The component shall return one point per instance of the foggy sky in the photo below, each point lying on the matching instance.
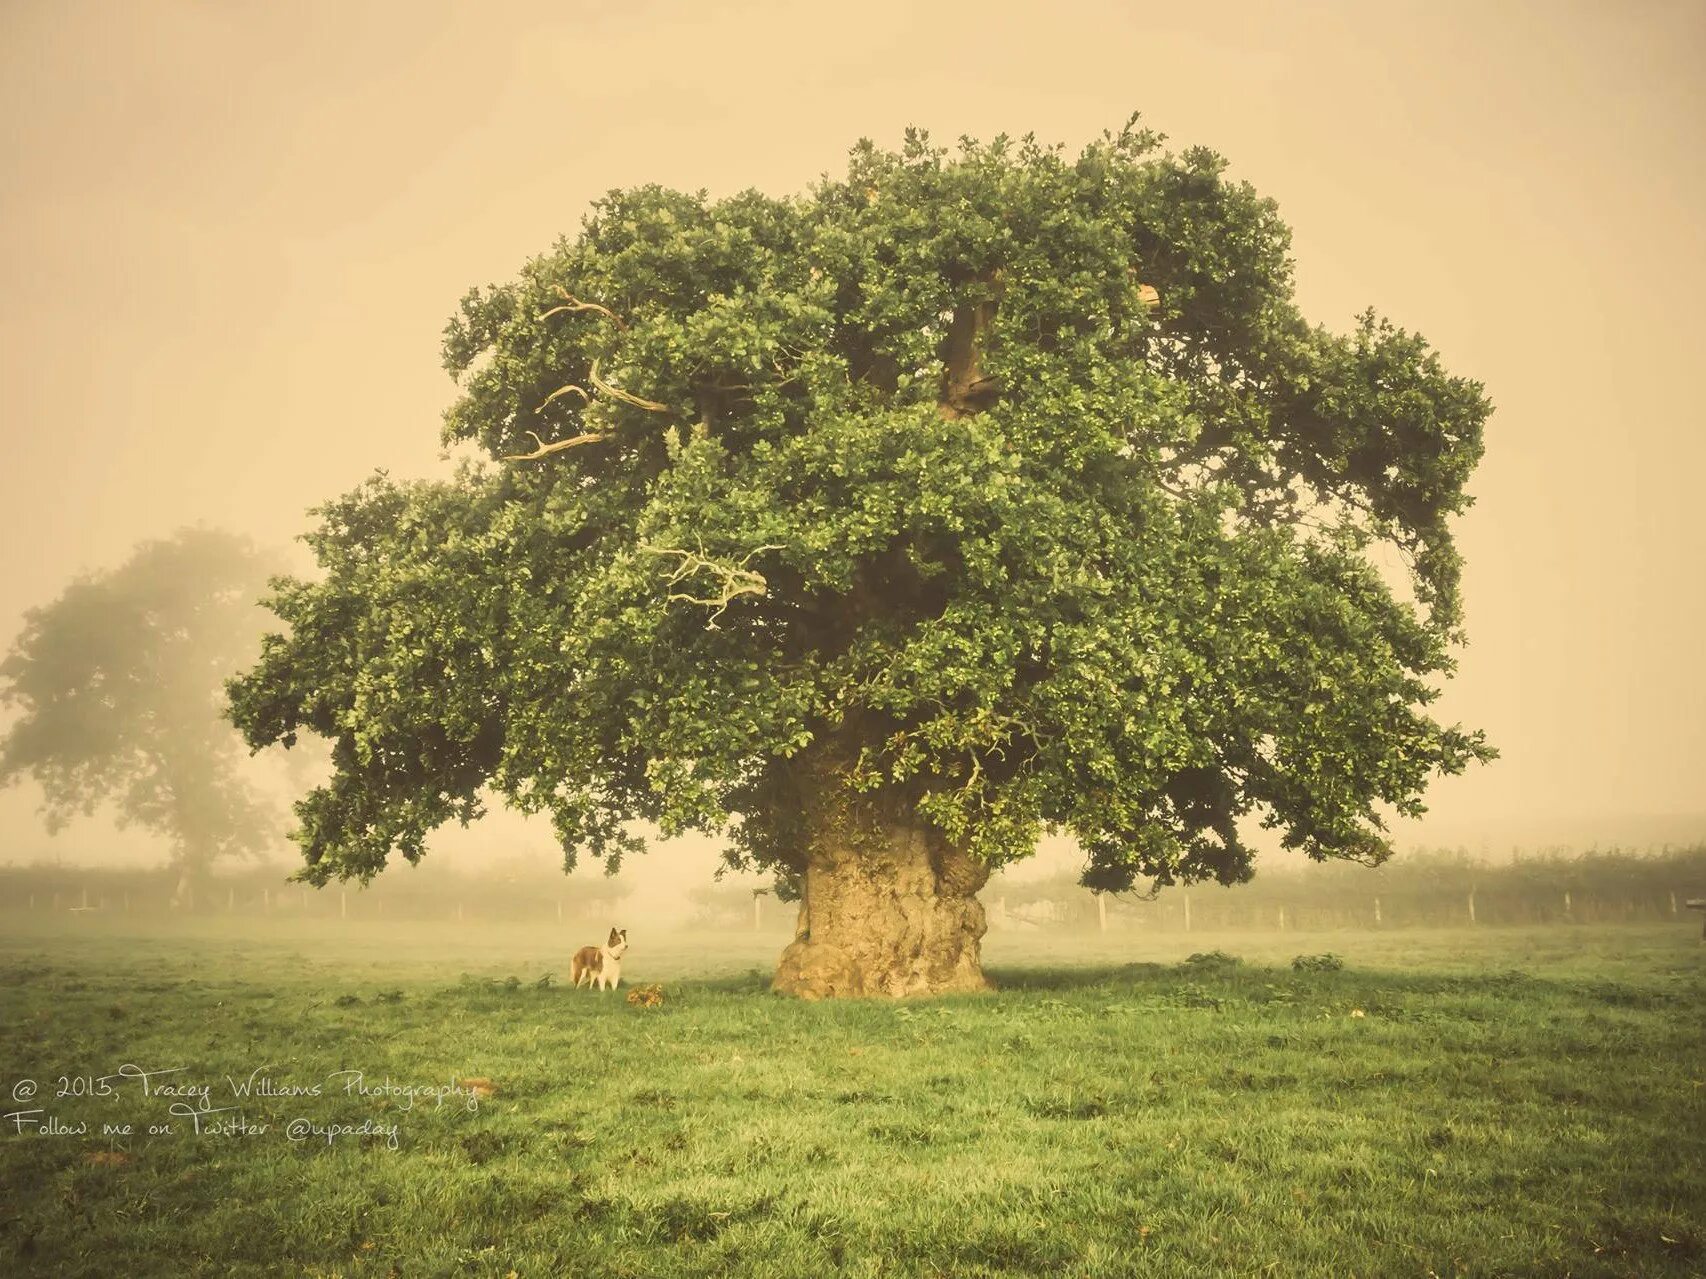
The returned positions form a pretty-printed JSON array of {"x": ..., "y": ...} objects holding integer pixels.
[{"x": 231, "y": 235}]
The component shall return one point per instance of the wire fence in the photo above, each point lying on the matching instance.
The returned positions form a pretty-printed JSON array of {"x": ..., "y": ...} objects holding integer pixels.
[
  {"x": 1435, "y": 888},
  {"x": 423, "y": 894}
]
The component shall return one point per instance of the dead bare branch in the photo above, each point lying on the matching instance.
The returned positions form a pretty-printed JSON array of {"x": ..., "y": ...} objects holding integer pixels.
[
  {"x": 615, "y": 393},
  {"x": 736, "y": 581},
  {"x": 556, "y": 446},
  {"x": 572, "y": 303},
  {"x": 571, "y": 388}
]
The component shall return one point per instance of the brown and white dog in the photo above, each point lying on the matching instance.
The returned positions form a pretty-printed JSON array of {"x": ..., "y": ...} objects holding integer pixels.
[{"x": 601, "y": 966}]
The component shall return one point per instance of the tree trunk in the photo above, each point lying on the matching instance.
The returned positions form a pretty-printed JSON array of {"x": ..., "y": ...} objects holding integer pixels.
[{"x": 887, "y": 909}]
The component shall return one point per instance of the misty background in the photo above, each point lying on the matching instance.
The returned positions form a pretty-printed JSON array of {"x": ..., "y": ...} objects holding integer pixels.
[{"x": 231, "y": 236}]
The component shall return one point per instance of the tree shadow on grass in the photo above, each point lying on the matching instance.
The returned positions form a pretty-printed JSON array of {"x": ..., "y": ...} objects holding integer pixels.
[
  {"x": 1227, "y": 974},
  {"x": 1209, "y": 965},
  {"x": 1076, "y": 976},
  {"x": 752, "y": 982}
]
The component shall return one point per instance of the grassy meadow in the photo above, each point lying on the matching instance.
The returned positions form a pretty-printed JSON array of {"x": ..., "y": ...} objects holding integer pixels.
[{"x": 1469, "y": 1102}]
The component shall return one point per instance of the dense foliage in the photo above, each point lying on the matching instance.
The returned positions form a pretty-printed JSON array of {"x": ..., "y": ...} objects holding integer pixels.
[
  {"x": 118, "y": 687},
  {"x": 1012, "y": 484}
]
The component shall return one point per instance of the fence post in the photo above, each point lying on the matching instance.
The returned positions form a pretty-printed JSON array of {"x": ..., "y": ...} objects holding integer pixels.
[
  {"x": 1282, "y": 919},
  {"x": 1569, "y": 911},
  {"x": 343, "y": 903},
  {"x": 1471, "y": 905},
  {"x": 1187, "y": 912},
  {"x": 1377, "y": 912}
]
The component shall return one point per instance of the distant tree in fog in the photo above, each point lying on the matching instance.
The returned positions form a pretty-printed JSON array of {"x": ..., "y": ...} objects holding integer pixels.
[{"x": 117, "y": 689}]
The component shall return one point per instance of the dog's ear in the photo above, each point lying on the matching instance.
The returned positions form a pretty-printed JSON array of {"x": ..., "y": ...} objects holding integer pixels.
[{"x": 614, "y": 938}]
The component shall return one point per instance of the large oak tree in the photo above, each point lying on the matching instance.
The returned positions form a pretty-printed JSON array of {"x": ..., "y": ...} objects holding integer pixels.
[{"x": 880, "y": 529}]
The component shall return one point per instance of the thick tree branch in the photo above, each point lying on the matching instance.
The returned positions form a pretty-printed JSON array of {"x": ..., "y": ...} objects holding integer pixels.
[{"x": 966, "y": 389}]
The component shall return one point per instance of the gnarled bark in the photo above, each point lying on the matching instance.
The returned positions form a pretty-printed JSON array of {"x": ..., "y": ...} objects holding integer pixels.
[
  {"x": 901, "y": 918},
  {"x": 887, "y": 906}
]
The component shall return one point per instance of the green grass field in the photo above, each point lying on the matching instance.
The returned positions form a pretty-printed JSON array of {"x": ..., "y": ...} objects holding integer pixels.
[{"x": 1498, "y": 1102}]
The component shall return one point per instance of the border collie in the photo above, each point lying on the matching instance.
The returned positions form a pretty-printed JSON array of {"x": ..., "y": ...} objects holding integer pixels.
[{"x": 600, "y": 966}]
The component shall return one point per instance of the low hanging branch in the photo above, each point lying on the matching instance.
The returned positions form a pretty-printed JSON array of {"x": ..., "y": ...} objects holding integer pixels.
[
  {"x": 556, "y": 446},
  {"x": 736, "y": 581}
]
